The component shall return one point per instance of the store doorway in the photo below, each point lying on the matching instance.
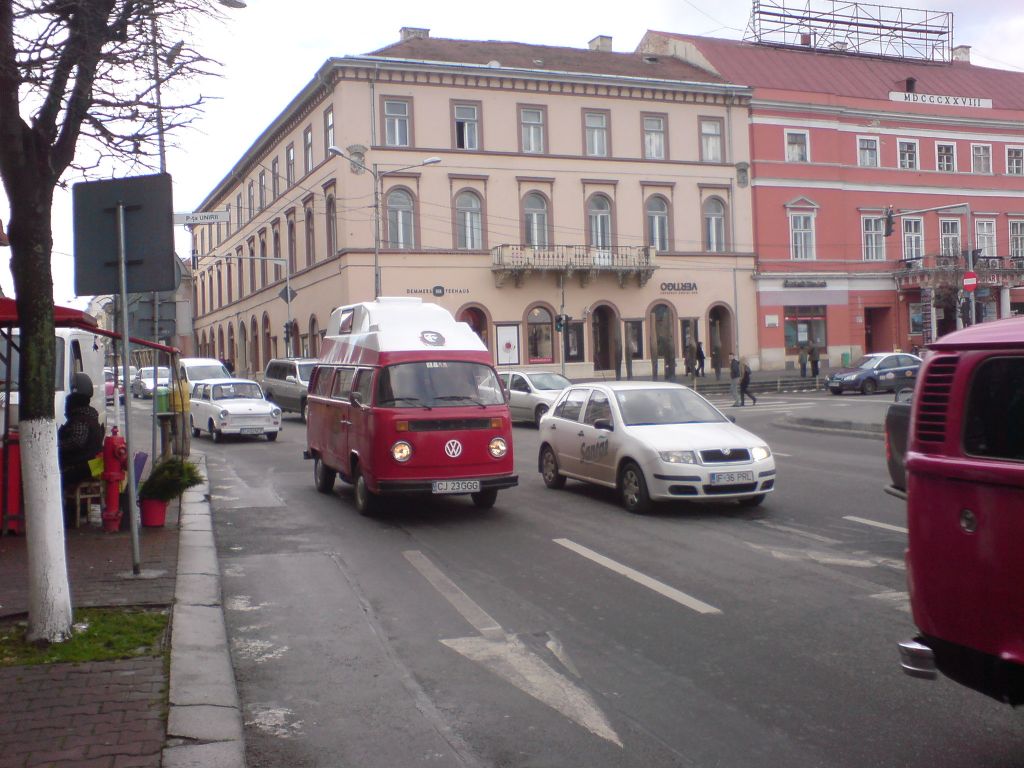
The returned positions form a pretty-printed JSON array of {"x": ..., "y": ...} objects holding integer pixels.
[
  {"x": 475, "y": 318},
  {"x": 879, "y": 333},
  {"x": 604, "y": 328},
  {"x": 720, "y": 331}
]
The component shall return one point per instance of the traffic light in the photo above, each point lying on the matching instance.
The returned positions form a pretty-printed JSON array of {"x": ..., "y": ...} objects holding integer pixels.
[
  {"x": 889, "y": 221},
  {"x": 559, "y": 323},
  {"x": 287, "y": 334}
]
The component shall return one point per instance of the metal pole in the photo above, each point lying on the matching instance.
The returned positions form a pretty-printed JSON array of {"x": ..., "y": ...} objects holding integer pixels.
[
  {"x": 122, "y": 273},
  {"x": 377, "y": 192},
  {"x": 288, "y": 301},
  {"x": 565, "y": 330},
  {"x": 163, "y": 169},
  {"x": 970, "y": 258}
]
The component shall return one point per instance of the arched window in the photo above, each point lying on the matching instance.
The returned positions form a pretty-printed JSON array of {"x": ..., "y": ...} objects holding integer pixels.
[
  {"x": 202, "y": 345},
  {"x": 314, "y": 337},
  {"x": 252, "y": 266},
  {"x": 293, "y": 264},
  {"x": 263, "y": 261},
  {"x": 469, "y": 233},
  {"x": 714, "y": 225},
  {"x": 400, "y": 220},
  {"x": 310, "y": 237},
  {"x": 599, "y": 229},
  {"x": 535, "y": 220},
  {"x": 657, "y": 223},
  {"x": 242, "y": 364},
  {"x": 276, "y": 253},
  {"x": 220, "y": 287},
  {"x": 220, "y": 343},
  {"x": 231, "y": 294},
  {"x": 332, "y": 227},
  {"x": 202, "y": 296},
  {"x": 254, "y": 345},
  {"x": 267, "y": 351},
  {"x": 540, "y": 333},
  {"x": 231, "y": 354}
]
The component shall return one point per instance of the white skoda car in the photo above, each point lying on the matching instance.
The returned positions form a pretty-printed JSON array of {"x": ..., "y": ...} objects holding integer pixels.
[
  {"x": 652, "y": 441},
  {"x": 233, "y": 407}
]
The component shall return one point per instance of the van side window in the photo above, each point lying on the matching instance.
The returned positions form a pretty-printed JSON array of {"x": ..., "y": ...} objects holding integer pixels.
[
  {"x": 572, "y": 405},
  {"x": 77, "y": 366},
  {"x": 345, "y": 322},
  {"x": 342, "y": 384},
  {"x": 321, "y": 384},
  {"x": 363, "y": 384},
  {"x": 994, "y": 423}
]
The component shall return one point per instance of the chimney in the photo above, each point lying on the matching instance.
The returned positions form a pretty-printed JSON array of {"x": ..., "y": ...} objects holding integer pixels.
[
  {"x": 601, "y": 43},
  {"x": 962, "y": 53},
  {"x": 411, "y": 33}
]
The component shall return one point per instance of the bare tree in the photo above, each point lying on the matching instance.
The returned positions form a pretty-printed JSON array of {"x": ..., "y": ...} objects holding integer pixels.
[{"x": 76, "y": 93}]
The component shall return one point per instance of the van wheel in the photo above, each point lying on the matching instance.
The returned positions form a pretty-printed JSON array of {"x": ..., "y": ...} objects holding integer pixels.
[
  {"x": 633, "y": 489},
  {"x": 869, "y": 387},
  {"x": 549, "y": 469},
  {"x": 323, "y": 476},
  {"x": 195, "y": 429},
  {"x": 485, "y": 499},
  {"x": 366, "y": 500},
  {"x": 538, "y": 414},
  {"x": 752, "y": 501},
  {"x": 303, "y": 410}
]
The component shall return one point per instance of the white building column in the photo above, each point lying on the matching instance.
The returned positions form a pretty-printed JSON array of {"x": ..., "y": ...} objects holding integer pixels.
[{"x": 1004, "y": 302}]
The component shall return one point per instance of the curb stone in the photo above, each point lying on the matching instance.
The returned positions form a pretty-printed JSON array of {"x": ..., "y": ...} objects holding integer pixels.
[{"x": 833, "y": 426}]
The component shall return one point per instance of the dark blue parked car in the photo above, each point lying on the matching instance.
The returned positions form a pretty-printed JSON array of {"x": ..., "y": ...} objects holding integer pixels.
[{"x": 887, "y": 371}]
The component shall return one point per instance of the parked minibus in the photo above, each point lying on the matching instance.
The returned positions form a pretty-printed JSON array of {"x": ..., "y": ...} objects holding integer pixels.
[
  {"x": 965, "y": 511},
  {"x": 405, "y": 400}
]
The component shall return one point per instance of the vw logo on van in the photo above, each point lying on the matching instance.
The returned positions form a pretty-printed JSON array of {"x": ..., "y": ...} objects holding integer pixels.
[
  {"x": 453, "y": 448},
  {"x": 433, "y": 338}
]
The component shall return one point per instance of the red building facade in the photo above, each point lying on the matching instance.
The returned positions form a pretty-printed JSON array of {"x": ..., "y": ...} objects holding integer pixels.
[{"x": 838, "y": 138}]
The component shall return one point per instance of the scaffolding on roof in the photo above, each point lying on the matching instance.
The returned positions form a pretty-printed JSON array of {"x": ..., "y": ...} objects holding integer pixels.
[{"x": 850, "y": 27}]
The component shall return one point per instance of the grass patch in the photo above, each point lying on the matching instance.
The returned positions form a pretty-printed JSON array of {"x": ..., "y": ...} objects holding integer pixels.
[{"x": 100, "y": 634}]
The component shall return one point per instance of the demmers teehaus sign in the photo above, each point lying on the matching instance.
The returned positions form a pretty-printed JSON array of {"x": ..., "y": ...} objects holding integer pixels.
[{"x": 940, "y": 101}]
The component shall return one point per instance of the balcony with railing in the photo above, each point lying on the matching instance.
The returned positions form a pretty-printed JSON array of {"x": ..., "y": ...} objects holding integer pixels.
[
  {"x": 516, "y": 262},
  {"x": 947, "y": 269}
]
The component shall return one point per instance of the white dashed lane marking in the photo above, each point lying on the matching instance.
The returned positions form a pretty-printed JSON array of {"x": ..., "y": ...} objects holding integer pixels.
[{"x": 875, "y": 524}]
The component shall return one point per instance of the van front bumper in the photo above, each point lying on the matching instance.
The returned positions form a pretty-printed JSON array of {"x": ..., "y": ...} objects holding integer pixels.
[{"x": 397, "y": 487}]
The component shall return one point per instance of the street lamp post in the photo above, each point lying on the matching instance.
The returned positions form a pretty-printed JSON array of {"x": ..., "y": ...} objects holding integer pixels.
[{"x": 378, "y": 192}]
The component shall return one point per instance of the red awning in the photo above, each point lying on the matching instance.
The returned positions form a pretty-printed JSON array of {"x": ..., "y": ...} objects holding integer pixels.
[{"x": 63, "y": 317}]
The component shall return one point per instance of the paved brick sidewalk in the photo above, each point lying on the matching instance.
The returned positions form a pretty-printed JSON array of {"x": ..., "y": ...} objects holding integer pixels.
[{"x": 106, "y": 714}]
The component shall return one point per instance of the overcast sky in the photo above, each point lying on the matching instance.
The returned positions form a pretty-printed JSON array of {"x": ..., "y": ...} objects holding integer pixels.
[{"x": 271, "y": 49}]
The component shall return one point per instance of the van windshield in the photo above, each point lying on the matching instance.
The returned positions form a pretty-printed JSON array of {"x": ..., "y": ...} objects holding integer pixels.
[
  {"x": 305, "y": 371},
  {"x": 437, "y": 384},
  {"x": 200, "y": 372}
]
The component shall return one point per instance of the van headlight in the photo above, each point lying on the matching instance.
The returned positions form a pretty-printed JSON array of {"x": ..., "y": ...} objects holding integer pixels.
[
  {"x": 401, "y": 451},
  {"x": 498, "y": 447},
  {"x": 677, "y": 457},
  {"x": 760, "y": 452}
]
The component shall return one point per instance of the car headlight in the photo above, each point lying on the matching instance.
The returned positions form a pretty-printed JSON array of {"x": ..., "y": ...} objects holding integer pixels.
[
  {"x": 276, "y": 413},
  {"x": 759, "y": 452},
  {"x": 401, "y": 451},
  {"x": 678, "y": 457},
  {"x": 223, "y": 415},
  {"x": 498, "y": 447},
  {"x": 850, "y": 377}
]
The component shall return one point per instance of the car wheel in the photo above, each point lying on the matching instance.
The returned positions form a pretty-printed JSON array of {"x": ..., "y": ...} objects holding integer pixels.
[
  {"x": 272, "y": 436},
  {"x": 323, "y": 476},
  {"x": 869, "y": 387},
  {"x": 633, "y": 489},
  {"x": 835, "y": 391},
  {"x": 752, "y": 501},
  {"x": 538, "y": 414},
  {"x": 366, "y": 500},
  {"x": 549, "y": 469},
  {"x": 215, "y": 434},
  {"x": 485, "y": 499},
  {"x": 195, "y": 429},
  {"x": 303, "y": 410}
]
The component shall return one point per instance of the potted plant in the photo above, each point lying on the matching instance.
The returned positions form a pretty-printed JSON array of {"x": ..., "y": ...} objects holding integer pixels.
[{"x": 168, "y": 480}]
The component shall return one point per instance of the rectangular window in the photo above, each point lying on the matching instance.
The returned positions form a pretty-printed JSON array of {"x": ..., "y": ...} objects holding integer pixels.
[
  {"x": 1017, "y": 238},
  {"x": 981, "y": 158},
  {"x": 263, "y": 190},
  {"x": 913, "y": 238},
  {"x": 916, "y": 318},
  {"x": 797, "y": 147},
  {"x": 1015, "y": 161},
  {"x": 985, "y": 236},
  {"x": 945, "y": 158},
  {"x": 251, "y": 199},
  {"x": 711, "y": 140},
  {"x": 531, "y": 124},
  {"x": 654, "y": 137},
  {"x": 801, "y": 235},
  {"x": 867, "y": 151},
  {"x": 238, "y": 210},
  {"x": 949, "y": 237},
  {"x": 396, "y": 122},
  {"x": 275, "y": 178},
  {"x": 805, "y": 326},
  {"x": 328, "y": 129},
  {"x": 467, "y": 126},
  {"x": 289, "y": 166},
  {"x": 908, "y": 154},
  {"x": 873, "y": 238},
  {"x": 307, "y": 149},
  {"x": 596, "y": 128}
]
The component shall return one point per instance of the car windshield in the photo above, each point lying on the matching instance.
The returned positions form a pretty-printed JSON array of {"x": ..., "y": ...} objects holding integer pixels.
[
  {"x": 665, "y": 406},
  {"x": 549, "y": 381},
  {"x": 238, "y": 389},
  {"x": 867, "y": 363},
  {"x": 161, "y": 373},
  {"x": 305, "y": 371},
  {"x": 197, "y": 372},
  {"x": 437, "y": 384}
]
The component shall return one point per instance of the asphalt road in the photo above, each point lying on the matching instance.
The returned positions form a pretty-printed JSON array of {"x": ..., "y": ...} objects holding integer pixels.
[{"x": 558, "y": 630}]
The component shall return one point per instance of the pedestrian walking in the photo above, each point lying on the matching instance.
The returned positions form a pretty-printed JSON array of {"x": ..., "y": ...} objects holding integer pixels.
[
  {"x": 803, "y": 361},
  {"x": 745, "y": 386},
  {"x": 690, "y": 356},
  {"x": 814, "y": 355},
  {"x": 716, "y": 362},
  {"x": 734, "y": 379},
  {"x": 700, "y": 359}
]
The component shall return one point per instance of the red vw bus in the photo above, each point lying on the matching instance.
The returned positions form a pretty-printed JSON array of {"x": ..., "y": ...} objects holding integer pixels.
[
  {"x": 404, "y": 400},
  {"x": 965, "y": 511}
]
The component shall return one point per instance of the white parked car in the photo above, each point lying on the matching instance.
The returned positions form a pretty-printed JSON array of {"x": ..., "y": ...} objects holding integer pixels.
[
  {"x": 531, "y": 394},
  {"x": 233, "y": 407},
  {"x": 652, "y": 441},
  {"x": 142, "y": 384}
]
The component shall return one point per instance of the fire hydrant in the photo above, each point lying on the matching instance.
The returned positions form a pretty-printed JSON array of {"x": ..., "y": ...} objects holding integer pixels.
[{"x": 115, "y": 469}]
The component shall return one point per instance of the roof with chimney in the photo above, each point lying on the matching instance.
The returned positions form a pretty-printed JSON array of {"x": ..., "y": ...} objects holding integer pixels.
[
  {"x": 791, "y": 68},
  {"x": 417, "y": 45}
]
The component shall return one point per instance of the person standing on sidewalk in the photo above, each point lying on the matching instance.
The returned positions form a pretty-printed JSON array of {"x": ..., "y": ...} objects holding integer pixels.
[
  {"x": 803, "y": 361},
  {"x": 716, "y": 362},
  {"x": 814, "y": 356},
  {"x": 700, "y": 359},
  {"x": 745, "y": 386},
  {"x": 734, "y": 379}
]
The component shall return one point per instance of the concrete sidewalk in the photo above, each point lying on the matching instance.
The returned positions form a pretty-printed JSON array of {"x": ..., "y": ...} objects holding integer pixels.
[{"x": 132, "y": 712}]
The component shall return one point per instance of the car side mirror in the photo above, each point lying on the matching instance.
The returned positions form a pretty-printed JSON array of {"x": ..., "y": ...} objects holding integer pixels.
[
  {"x": 905, "y": 395},
  {"x": 604, "y": 424},
  {"x": 291, "y": 379},
  {"x": 357, "y": 399}
]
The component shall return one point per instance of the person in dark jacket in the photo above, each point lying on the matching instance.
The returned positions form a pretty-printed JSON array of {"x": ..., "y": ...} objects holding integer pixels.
[
  {"x": 745, "y": 386},
  {"x": 734, "y": 379},
  {"x": 716, "y": 362},
  {"x": 814, "y": 354},
  {"x": 80, "y": 437},
  {"x": 700, "y": 359}
]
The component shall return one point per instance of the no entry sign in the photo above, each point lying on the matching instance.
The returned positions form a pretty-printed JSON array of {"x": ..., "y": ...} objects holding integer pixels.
[{"x": 970, "y": 281}]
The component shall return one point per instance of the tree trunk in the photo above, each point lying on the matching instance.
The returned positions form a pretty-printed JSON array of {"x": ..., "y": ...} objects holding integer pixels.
[{"x": 49, "y": 592}]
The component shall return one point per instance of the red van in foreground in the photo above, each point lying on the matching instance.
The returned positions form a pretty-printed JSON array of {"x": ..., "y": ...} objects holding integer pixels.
[
  {"x": 965, "y": 510},
  {"x": 404, "y": 400}
]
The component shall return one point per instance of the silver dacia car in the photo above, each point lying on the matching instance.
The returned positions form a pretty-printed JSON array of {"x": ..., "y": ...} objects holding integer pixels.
[{"x": 286, "y": 381}]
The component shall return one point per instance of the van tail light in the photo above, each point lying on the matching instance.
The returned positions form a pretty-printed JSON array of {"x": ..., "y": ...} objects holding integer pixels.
[{"x": 496, "y": 422}]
